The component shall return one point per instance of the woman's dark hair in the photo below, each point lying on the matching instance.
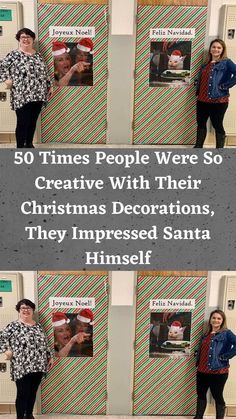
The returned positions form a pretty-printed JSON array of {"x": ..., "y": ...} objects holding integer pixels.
[
  {"x": 25, "y": 302},
  {"x": 27, "y": 32},
  {"x": 222, "y": 314},
  {"x": 224, "y": 52}
]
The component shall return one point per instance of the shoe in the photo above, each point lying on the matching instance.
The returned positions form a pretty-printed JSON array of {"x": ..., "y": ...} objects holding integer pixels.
[
  {"x": 201, "y": 407},
  {"x": 220, "y": 411},
  {"x": 220, "y": 140},
  {"x": 201, "y": 135}
]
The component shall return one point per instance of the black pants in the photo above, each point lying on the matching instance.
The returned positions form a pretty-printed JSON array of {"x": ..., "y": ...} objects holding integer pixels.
[
  {"x": 26, "y": 123},
  {"x": 214, "y": 111},
  {"x": 27, "y": 388},
  {"x": 214, "y": 382}
]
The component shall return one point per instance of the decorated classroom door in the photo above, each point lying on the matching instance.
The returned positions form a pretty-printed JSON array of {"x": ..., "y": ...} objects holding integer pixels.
[
  {"x": 73, "y": 39},
  {"x": 71, "y": 306},
  {"x": 170, "y": 315},
  {"x": 169, "y": 52}
]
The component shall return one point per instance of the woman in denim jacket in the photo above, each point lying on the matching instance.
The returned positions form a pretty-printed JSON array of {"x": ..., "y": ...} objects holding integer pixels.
[
  {"x": 216, "y": 347},
  {"x": 213, "y": 83}
]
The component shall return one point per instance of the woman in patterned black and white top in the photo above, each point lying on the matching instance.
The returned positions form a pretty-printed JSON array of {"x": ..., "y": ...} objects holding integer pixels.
[
  {"x": 25, "y": 344},
  {"x": 25, "y": 73}
]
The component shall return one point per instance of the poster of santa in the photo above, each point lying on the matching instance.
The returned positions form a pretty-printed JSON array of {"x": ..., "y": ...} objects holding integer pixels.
[{"x": 170, "y": 333}]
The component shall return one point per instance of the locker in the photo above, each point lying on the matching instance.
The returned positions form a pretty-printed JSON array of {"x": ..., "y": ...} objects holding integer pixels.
[
  {"x": 227, "y": 27},
  {"x": 10, "y": 294},
  {"x": 228, "y": 305},
  {"x": 10, "y": 23}
]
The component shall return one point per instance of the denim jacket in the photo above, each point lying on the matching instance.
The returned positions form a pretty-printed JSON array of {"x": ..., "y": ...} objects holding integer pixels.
[
  {"x": 222, "y": 77},
  {"x": 222, "y": 348}
]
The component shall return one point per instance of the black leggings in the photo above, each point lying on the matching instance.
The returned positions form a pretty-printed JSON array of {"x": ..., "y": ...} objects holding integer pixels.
[
  {"x": 26, "y": 123},
  {"x": 27, "y": 387},
  {"x": 214, "y": 111},
  {"x": 215, "y": 382}
]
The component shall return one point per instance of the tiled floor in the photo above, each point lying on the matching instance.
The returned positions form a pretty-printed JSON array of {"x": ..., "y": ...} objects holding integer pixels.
[
  {"x": 101, "y": 417},
  {"x": 106, "y": 417},
  {"x": 209, "y": 143},
  {"x": 95, "y": 146}
]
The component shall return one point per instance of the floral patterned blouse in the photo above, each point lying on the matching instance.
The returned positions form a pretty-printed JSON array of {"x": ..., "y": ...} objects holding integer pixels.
[
  {"x": 29, "y": 347},
  {"x": 29, "y": 76}
]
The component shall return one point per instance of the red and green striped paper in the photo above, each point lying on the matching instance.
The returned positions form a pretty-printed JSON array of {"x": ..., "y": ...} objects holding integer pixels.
[
  {"x": 165, "y": 115},
  {"x": 76, "y": 114},
  {"x": 76, "y": 385},
  {"x": 165, "y": 386}
]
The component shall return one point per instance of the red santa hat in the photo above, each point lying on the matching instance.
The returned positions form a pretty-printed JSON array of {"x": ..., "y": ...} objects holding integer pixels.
[
  {"x": 85, "y": 315},
  {"x": 176, "y": 323},
  {"x": 177, "y": 53},
  {"x": 59, "y": 48},
  {"x": 58, "y": 319},
  {"x": 86, "y": 45}
]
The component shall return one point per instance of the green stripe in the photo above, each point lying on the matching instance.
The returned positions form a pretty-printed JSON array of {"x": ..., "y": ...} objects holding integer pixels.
[
  {"x": 153, "y": 130},
  {"x": 71, "y": 371},
  {"x": 58, "y": 128},
  {"x": 150, "y": 378}
]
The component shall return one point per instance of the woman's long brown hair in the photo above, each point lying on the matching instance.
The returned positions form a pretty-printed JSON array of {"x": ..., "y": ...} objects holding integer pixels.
[
  {"x": 224, "y": 324},
  {"x": 224, "y": 52}
]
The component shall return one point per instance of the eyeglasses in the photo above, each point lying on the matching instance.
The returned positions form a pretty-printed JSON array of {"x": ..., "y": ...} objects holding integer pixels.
[
  {"x": 24, "y": 308},
  {"x": 25, "y": 37}
]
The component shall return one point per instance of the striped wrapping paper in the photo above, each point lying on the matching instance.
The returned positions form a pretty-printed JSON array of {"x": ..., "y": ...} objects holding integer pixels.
[
  {"x": 76, "y": 114},
  {"x": 163, "y": 115},
  {"x": 165, "y": 386},
  {"x": 76, "y": 385}
]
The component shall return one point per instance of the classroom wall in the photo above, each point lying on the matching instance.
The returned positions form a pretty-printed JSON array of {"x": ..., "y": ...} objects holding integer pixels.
[
  {"x": 29, "y": 283},
  {"x": 213, "y": 281}
]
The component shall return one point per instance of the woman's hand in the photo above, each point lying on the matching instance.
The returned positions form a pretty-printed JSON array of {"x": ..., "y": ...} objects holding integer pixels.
[
  {"x": 8, "y": 355},
  {"x": 50, "y": 93},
  {"x": 80, "y": 66},
  {"x": 50, "y": 363},
  {"x": 80, "y": 337},
  {"x": 76, "y": 68},
  {"x": 8, "y": 84}
]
